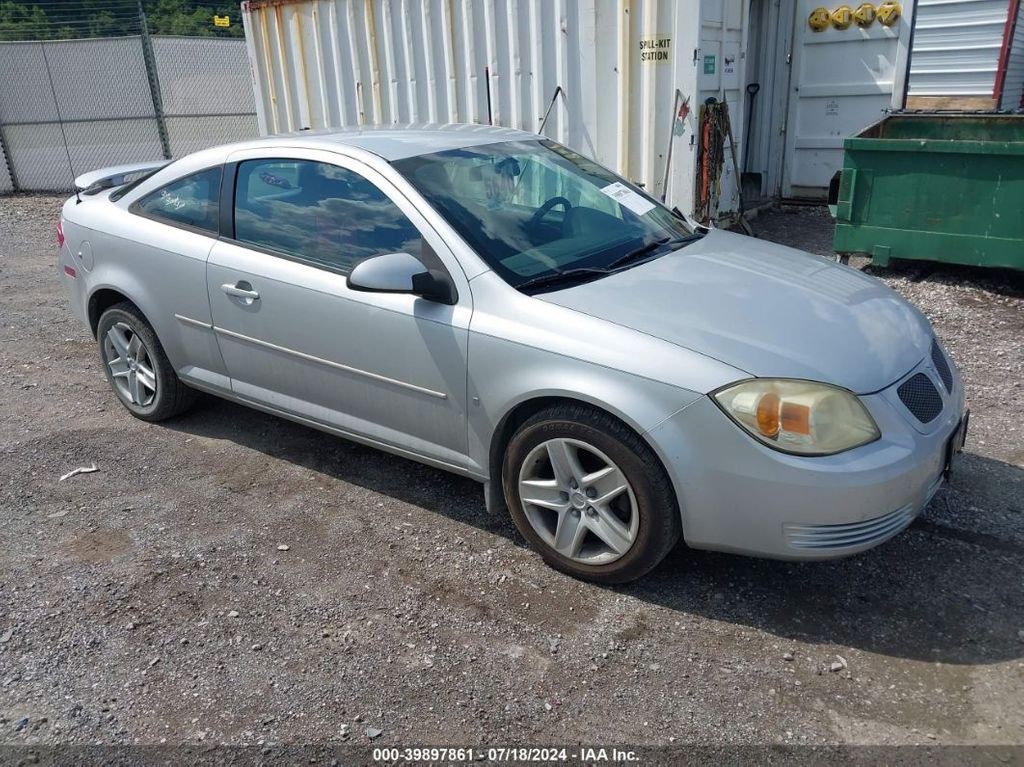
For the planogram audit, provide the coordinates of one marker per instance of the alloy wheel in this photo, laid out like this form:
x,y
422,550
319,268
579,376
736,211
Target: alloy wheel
x,y
578,501
131,367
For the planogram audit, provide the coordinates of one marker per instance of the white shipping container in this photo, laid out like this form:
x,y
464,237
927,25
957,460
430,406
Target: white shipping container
x,y
618,63
620,69
842,81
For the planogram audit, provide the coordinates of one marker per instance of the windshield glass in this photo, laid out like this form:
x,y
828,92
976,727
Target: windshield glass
x,y
541,215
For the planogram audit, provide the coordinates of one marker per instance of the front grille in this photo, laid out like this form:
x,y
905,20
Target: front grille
x,y
939,360
921,397
868,532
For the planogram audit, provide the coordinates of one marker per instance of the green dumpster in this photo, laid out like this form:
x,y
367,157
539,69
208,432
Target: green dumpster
x,y
935,187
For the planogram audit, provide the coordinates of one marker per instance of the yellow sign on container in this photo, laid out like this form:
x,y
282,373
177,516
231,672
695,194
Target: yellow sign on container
x,y
889,13
819,19
842,17
864,15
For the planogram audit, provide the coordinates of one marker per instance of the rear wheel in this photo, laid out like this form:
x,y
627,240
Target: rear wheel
x,y
589,494
137,367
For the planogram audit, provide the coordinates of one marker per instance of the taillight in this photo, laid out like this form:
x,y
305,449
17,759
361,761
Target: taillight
x,y
60,234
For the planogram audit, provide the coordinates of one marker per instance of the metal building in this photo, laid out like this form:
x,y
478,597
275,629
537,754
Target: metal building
x,y
1009,91
961,52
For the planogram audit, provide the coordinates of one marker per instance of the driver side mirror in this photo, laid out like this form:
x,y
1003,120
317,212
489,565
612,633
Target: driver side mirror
x,y
402,273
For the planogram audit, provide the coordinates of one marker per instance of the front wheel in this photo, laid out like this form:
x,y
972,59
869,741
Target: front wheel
x,y
137,367
590,495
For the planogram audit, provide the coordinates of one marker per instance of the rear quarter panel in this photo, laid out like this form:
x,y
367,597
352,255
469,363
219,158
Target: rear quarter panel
x,y
158,267
72,265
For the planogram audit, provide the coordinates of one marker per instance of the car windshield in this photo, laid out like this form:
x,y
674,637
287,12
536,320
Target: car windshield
x,y
542,216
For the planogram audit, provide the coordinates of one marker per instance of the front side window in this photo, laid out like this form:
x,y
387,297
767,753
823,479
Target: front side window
x,y
320,213
192,201
539,213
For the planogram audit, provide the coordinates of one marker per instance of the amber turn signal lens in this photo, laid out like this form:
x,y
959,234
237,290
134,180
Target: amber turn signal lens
x,y
768,414
796,418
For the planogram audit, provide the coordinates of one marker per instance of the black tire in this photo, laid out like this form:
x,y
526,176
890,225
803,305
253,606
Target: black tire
x,y
659,521
171,397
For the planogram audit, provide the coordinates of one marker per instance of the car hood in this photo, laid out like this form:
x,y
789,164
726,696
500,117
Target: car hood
x,y
769,310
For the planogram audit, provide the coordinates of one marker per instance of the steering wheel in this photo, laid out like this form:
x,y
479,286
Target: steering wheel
x,y
546,208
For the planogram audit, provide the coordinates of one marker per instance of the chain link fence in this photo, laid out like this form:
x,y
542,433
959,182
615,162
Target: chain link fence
x,y
206,91
6,184
71,106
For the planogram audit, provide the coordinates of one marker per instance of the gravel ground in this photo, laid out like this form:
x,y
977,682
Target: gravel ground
x,y
230,577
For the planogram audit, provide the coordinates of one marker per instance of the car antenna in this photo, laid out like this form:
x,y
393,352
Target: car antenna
x,y
60,119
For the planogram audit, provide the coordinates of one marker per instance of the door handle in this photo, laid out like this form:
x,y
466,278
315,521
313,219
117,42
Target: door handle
x,y
242,290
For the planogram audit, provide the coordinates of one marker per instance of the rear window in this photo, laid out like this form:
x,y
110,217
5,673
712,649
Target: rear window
x,y
121,191
192,201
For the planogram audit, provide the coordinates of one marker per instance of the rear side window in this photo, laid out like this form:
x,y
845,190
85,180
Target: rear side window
x,y
192,201
320,213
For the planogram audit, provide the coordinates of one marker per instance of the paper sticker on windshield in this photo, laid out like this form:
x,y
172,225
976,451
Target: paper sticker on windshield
x,y
627,198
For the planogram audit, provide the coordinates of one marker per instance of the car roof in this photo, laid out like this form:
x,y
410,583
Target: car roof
x,y
396,142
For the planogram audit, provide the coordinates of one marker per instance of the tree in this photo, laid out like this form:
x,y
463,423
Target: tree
x,y
20,22
181,17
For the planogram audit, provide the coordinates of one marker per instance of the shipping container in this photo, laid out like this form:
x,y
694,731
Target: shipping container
x,y
621,81
844,78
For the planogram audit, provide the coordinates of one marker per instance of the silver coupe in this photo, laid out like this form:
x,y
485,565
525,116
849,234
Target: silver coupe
x,y
492,303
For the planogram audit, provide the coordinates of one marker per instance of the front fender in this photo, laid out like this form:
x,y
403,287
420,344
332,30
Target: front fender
x,y
524,349
505,375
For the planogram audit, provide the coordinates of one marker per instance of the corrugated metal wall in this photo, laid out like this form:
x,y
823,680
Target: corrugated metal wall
x,y
1013,85
320,63
956,47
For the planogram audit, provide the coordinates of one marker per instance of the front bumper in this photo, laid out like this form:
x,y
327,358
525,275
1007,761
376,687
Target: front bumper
x,y
738,495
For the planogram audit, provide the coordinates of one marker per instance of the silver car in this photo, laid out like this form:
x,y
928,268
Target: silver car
x,y
490,302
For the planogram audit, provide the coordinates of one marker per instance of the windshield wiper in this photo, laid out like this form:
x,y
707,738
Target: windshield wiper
x,y
646,250
569,275
573,275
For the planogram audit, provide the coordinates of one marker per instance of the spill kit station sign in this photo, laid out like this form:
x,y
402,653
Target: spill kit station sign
x,y
655,50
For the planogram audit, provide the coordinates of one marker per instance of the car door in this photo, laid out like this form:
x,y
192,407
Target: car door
x,y
389,368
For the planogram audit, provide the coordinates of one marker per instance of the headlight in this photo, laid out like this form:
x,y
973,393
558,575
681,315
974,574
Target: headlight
x,y
799,416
